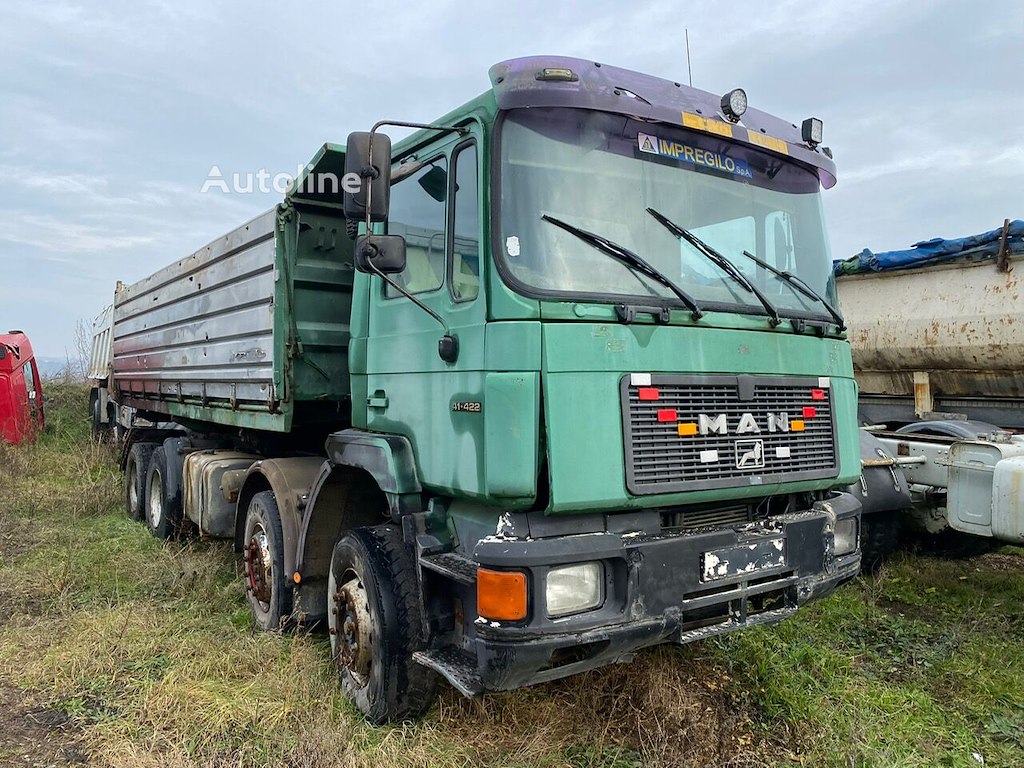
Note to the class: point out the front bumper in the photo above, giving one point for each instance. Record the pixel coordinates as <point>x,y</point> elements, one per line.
<point>659,588</point>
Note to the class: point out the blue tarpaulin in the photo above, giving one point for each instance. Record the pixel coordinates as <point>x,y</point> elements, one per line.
<point>935,251</point>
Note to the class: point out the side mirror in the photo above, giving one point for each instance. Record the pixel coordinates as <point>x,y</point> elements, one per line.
<point>374,174</point>
<point>380,253</point>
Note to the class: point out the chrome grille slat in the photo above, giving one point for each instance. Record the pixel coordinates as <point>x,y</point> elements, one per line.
<point>659,460</point>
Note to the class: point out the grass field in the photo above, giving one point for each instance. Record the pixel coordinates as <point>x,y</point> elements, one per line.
<point>116,649</point>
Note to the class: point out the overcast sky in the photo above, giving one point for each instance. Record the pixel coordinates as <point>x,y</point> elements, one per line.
<point>112,114</point>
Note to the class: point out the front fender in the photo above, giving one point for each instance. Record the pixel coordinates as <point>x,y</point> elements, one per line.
<point>388,459</point>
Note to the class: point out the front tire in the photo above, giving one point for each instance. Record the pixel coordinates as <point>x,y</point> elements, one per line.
<point>163,505</point>
<point>374,621</point>
<point>879,538</point>
<point>270,595</point>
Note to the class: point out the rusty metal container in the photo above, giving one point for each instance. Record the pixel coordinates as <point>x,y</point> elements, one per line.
<point>944,332</point>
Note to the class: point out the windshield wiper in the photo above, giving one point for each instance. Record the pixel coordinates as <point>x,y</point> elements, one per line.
<point>720,261</point>
<point>627,257</point>
<point>800,286</point>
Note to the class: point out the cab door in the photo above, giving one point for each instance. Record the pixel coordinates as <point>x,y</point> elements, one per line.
<point>437,207</point>
<point>17,400</point>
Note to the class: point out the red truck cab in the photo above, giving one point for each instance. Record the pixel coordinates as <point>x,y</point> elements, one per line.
<point>21,394</point>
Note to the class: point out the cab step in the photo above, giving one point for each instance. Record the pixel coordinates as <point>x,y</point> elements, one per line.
<point>457,666</point>
<point>452,565</point>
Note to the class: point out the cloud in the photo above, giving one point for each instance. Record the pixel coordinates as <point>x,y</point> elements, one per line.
<point>111,114</point>
<point>54,235</point>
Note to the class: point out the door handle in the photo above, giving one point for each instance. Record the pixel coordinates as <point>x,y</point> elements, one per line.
<point>379,399</point>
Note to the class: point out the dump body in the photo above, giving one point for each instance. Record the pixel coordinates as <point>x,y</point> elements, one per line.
<point>944,337</point>
<point>21,393</point>
<point>249,332</point>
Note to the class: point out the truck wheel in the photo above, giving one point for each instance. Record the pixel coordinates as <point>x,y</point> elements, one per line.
<point>163,509</point>
<point>879,538</point>
<point>98,431</point>
<point>373,616</point>
<point>135,471</point>
<point>269,592</point>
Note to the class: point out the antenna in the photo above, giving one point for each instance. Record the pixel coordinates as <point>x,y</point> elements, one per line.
<point>689,71</point>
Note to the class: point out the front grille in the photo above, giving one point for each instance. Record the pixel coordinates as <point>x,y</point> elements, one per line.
<point>669,447</point>
<point>709,517</point>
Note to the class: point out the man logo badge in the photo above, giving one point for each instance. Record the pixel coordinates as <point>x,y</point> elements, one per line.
<point>749,454</point>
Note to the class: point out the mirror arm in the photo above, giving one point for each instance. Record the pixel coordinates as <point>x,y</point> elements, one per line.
<point>397,124</point>
<point>411,297</point>
<point>452,353</point>
<point>372,172</point>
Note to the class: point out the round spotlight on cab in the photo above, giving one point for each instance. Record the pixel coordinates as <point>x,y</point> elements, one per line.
<point>734,104</point>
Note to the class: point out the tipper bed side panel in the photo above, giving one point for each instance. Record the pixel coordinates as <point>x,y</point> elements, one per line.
<point>196,339</point>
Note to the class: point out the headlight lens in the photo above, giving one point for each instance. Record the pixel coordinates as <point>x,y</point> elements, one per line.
<point>846,536</point>
<point>574,588</point>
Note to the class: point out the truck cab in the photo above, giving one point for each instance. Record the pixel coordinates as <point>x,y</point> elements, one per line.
<point>21,392</point>
<point>637,426</point>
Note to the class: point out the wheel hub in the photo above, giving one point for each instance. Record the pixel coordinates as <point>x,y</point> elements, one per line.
<point>156,504</point>
<point>259,567</point>
<point>133,487</point>
<point>353,629</point>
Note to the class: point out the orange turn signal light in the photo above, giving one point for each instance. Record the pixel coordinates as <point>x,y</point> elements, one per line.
<point>501,595</point>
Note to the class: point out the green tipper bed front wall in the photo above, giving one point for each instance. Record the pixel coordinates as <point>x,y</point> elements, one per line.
<point>251,331</point>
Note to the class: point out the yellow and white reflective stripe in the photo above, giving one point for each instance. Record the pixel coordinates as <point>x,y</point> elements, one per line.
<point>699,123</point>
<point>719,128</point>
<point>768,142</point>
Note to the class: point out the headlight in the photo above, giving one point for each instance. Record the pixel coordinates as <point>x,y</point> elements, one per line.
<point>574,588</point>
<point>846,536</point>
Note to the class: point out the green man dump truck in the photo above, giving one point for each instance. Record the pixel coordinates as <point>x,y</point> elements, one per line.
<point>554,379</point>
<point>938,351</point>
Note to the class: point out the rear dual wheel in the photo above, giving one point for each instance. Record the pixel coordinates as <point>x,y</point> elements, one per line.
<point>163,499</point>
<point>135,472</point>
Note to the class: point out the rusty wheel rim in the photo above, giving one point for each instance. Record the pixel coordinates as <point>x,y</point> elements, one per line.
<point>259,567</point>
<point>351,629</point>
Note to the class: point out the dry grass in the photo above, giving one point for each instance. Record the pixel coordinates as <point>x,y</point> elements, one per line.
<point>149,648</point>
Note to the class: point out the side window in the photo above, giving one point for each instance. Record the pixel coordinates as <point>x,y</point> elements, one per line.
<point>30,382</point>
<point>418,214</point>
<point>466,227</point>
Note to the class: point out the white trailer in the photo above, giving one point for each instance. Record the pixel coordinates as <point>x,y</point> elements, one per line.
<point>938,351</point>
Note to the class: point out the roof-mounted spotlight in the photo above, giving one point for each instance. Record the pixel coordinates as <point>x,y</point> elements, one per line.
<point>810,131</point>
<point>734,104</point>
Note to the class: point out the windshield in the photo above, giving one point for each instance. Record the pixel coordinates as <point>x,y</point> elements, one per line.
<point>601,173</point>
